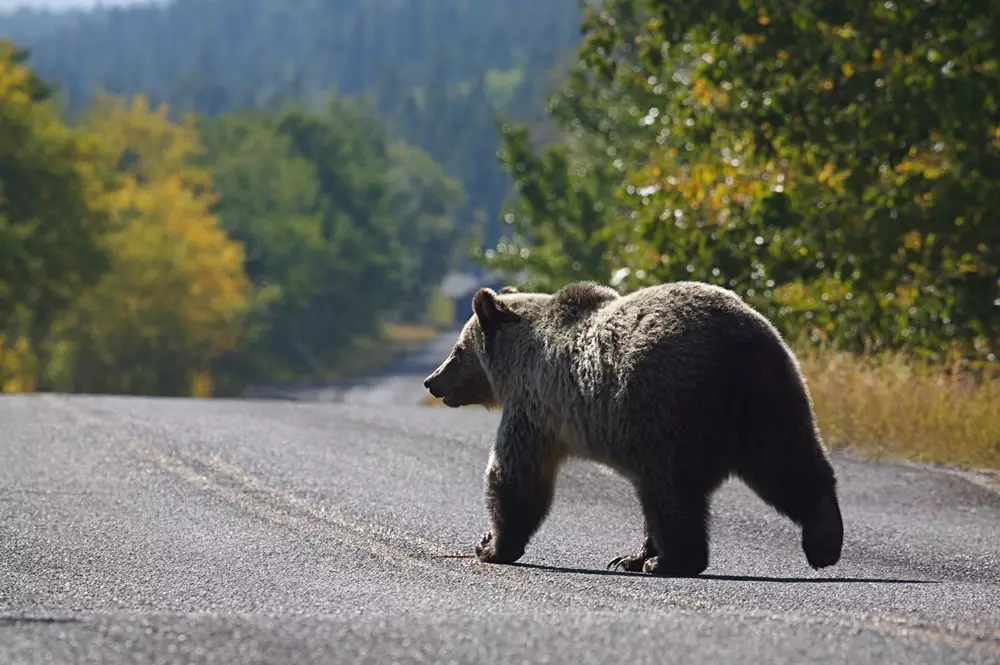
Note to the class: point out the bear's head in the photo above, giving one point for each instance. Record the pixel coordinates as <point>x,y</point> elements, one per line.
<point>462,379</point>
<point>502,353</point>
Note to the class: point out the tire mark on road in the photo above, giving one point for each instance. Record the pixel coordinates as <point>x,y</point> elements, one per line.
<point>238,488</point>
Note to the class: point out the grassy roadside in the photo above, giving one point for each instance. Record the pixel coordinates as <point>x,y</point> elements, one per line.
<point>887,408</point>
<point>368,356</point>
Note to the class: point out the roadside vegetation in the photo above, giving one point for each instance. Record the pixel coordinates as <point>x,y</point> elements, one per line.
<point>889,406</point>
<point>837,165</point>
<point>149,254</point>
<point>217,218</point>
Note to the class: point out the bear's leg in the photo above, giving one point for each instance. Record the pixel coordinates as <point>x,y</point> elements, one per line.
<point>807,495</point>
<point>799,483</point>
<point>780,454</point>
<point>520,484</point>
<point>633,563</point>
<point>677,519</point>
<point>823,531</point>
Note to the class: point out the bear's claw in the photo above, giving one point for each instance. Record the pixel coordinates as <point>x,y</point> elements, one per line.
<point>630,563</point>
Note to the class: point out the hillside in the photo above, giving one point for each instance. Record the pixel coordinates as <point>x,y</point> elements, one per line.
<point>438,70</point>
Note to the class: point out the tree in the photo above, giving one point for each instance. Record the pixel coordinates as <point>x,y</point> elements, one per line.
<point>438,70</point>
<point>270,200</point>
<point>424,202</point>
<point>554,231</point>
<point>173,299</point>
<point>52,211</point>
<point>837,164</point>
<point>311,195</point>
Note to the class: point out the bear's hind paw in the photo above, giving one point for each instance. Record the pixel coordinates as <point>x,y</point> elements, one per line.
<point>629,563</point>
<point>656,565</point>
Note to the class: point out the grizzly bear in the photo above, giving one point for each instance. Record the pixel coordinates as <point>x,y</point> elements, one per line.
<point>676,387</point>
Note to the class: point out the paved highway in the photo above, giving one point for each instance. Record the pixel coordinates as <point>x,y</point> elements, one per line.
<point>178,531</point>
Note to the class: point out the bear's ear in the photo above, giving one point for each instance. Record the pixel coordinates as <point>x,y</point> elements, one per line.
<point>491,312</point>
<point>508,289</point>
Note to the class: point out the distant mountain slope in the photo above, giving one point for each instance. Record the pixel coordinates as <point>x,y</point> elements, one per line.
<point>28,26</point>
<point>438,69</point>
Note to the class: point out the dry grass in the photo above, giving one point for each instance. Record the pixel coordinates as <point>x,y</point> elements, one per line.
<point>409,334</point>
<point>440,311</point>
<point>889,407</point>
<point>886,407</point>
<point>368,356</point>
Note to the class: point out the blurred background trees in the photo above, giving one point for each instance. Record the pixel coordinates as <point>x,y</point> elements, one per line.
<point>197,196</point>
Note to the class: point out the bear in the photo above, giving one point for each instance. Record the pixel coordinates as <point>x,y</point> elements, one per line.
<point>676,387</point>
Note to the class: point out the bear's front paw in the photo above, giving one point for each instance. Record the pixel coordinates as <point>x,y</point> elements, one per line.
<point>488,552</point>
<point>630,563</point>
<point>484,549</point>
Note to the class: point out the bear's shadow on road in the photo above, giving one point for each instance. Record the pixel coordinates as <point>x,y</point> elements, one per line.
<point>730,578</point>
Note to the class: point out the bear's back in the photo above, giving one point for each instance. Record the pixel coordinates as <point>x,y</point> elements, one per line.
<point>616,358</point>
<point>583,314</point>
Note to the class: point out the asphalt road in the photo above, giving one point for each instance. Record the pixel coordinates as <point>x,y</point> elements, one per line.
<point>174,531</point>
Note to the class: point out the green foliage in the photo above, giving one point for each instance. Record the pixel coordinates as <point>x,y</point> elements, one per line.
<point>52,211</point>
<point>343,229</point>
<point>174,296</point>
<point>259,246</point>
<point>837,164</point>
<point>437,69</point>
<point>555,226</point>
<point>425,202</point>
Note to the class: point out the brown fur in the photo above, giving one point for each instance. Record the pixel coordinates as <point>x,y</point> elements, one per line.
<point>676,387</point>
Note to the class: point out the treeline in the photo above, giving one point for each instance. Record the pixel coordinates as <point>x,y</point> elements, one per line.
<point>144,254</point>
<point>836,164</point>
<point>437,70</point>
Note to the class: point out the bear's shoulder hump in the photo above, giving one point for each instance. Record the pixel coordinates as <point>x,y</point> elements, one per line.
<point>584,296</point>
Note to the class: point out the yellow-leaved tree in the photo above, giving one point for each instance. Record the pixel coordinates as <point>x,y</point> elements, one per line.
<point>174,298</point>
<point>52,217</point>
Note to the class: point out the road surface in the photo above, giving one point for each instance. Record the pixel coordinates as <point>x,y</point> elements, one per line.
<point>179,531</point>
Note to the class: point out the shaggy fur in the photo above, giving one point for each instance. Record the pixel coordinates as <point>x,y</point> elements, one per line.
<point>676,387</point>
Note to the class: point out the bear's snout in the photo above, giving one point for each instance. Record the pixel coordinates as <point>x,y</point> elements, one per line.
<point>433,386</point>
